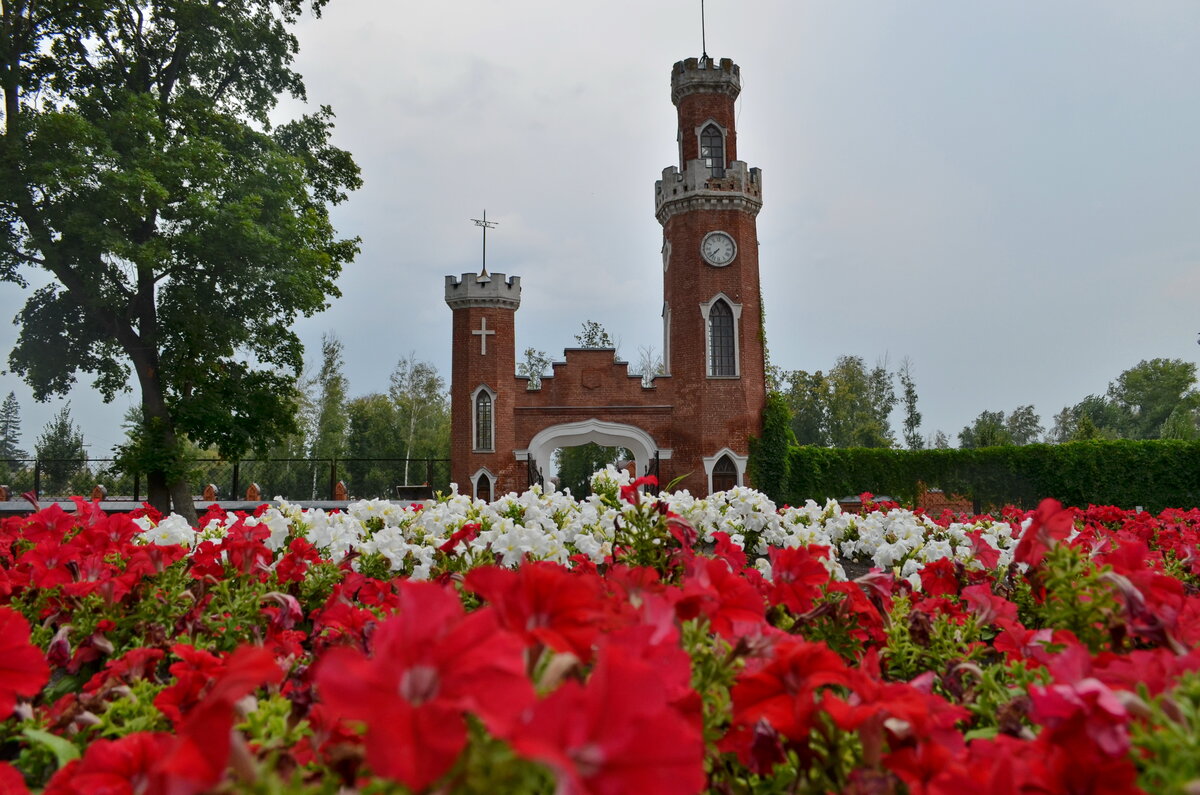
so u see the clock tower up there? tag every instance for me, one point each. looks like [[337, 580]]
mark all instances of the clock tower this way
[[712, 303]]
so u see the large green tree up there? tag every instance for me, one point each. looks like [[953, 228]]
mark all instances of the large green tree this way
[[860, 404], [422, 404], [989, 429], [850, 406], [181, 230], [328, 409], [1149, 391], [912, 417]]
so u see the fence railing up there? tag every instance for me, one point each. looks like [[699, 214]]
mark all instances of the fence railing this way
[[291, 478]]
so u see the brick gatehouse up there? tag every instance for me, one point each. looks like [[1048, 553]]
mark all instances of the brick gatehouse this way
[[695, 421]]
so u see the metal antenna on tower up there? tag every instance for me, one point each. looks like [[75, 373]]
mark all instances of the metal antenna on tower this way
[[703, 38], [486, 224]]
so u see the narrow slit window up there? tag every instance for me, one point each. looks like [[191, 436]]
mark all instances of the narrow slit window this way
[[712, 150], [721, 358], [483, 421]]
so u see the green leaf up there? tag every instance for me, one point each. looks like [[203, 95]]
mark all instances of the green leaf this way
[[64, 750]]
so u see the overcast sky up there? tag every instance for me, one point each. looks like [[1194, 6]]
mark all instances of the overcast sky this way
[[1007, 193]]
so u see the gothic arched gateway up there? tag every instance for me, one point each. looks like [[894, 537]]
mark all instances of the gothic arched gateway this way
[[693, 423]]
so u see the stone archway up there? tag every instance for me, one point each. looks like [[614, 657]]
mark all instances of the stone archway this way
[[603, 432]]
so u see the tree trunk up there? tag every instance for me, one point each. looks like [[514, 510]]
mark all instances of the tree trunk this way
[[181, 499], [157, 492]]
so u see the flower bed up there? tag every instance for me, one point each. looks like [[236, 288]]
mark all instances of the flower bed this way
[[620, 644]]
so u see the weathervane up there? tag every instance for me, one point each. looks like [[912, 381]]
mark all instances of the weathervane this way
[[703, 41], [486, 224]]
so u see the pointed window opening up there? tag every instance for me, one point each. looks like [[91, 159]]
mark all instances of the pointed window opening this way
[[712, 150], [724, 474], [485, 486], [722, 360], [483, 420]]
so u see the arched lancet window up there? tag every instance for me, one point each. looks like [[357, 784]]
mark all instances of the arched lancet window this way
[[722, 358], [483, 420], [724, 474], [712, 150], [485, 486]]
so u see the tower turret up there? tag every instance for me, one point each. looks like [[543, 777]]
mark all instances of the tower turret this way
[[483, 361], [712, 308]]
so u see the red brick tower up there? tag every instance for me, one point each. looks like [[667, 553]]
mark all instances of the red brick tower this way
[[483, 363], [712, 310]]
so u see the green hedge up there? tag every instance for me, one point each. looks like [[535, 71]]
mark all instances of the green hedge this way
[[1154, 474]]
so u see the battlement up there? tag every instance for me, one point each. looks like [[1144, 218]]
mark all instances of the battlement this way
[[473, 289], [705, 76], [740, 188]]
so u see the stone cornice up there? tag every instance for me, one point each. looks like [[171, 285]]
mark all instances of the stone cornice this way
[[708, 200]]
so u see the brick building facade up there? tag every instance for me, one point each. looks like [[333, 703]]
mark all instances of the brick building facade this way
[[694, 422]]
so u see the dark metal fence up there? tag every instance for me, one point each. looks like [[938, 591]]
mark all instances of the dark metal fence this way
[[292, 478]]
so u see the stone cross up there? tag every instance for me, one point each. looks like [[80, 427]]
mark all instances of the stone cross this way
[[483, 332]]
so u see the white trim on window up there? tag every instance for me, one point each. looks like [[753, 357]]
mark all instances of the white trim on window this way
[[477, 479], [736, 310], [666, 314], [739, 461]]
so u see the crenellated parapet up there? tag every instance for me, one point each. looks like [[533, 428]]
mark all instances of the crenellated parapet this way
[[705, 76], [476, 290], [694, 189]]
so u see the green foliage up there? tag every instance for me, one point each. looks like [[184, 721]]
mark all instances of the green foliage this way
[[848, 407], [577, 464], [1148, 392], [918, 642], [133, 712], [993, 428], [1161, 741], [1077, 597], [61, 451], [422, 413], [593, 335], [329, 420], [185, 229], [1155, 474], [769, 459], [534, 367], [1154, 399], [912, 418], [988, 430], [715, 666]]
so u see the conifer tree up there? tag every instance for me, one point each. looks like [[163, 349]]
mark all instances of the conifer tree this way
[[10, 429]]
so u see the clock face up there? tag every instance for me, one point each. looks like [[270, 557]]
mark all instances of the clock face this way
[[718, 248]]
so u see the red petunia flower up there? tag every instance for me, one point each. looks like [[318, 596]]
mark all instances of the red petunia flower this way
[[23, 668], [784, 691], [797, 576], [465, 534], [606, 737], [11, 780], [729, 601], [544, 603], [429, 665], [1051, 523]]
